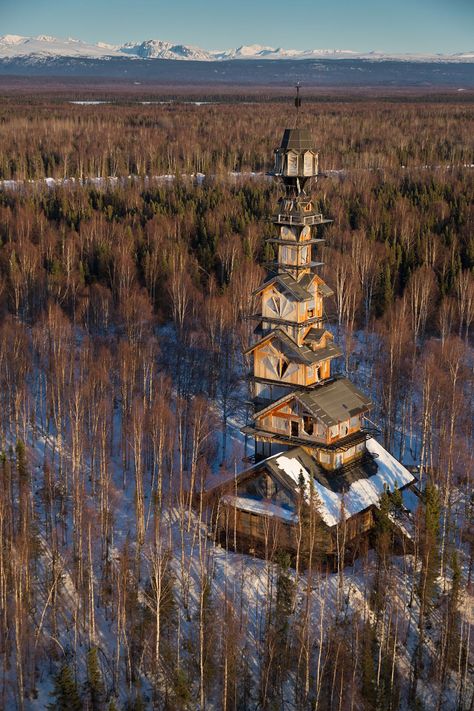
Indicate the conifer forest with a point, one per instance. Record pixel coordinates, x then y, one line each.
132 242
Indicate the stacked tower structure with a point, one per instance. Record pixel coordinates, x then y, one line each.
308 424
296 400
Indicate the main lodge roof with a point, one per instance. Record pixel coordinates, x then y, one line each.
346 492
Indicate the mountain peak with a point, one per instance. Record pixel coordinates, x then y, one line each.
43 46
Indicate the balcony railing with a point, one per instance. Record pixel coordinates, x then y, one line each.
299 219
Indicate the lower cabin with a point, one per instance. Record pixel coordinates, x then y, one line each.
275 503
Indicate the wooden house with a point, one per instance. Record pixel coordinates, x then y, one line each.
312 448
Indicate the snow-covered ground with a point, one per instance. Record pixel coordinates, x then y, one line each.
243 578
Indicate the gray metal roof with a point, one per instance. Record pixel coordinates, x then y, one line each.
288 283
298 354
316 334
325 290
335 402
297 139
331 402
294 287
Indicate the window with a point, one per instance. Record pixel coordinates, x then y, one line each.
308 425
270 487
274 303
279 423
295 429
282 367
308 163
324 458
292 164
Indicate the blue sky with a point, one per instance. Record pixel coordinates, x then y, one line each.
391 25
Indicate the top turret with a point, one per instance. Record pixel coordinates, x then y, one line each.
296 160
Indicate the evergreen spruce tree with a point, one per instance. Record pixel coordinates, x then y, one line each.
21 461
278 645
137 703
65 692
94 683
430 546
430 559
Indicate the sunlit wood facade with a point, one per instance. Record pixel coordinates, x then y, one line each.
307 424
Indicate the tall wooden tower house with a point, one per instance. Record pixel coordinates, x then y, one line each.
308 425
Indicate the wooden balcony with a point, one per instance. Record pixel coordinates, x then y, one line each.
299 219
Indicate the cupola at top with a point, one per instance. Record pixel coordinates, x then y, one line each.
296 157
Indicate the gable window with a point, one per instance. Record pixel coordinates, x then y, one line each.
274 303
308 425
295 429
282 367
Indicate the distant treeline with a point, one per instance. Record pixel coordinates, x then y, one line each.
52 139
390 230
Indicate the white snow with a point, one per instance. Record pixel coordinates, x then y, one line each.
259 507
361 494
42 46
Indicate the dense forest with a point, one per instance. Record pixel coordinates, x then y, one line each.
125 306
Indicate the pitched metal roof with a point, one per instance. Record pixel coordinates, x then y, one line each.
317 333
346 491
289 284
325 290
335 402
307 279
333 481
331 402
297 354
297 139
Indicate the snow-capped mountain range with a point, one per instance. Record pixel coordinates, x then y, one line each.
43 47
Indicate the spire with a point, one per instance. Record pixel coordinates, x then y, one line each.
297 103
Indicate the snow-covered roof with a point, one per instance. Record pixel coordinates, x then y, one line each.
360 495
263 508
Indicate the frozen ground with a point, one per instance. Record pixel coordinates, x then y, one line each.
243 578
